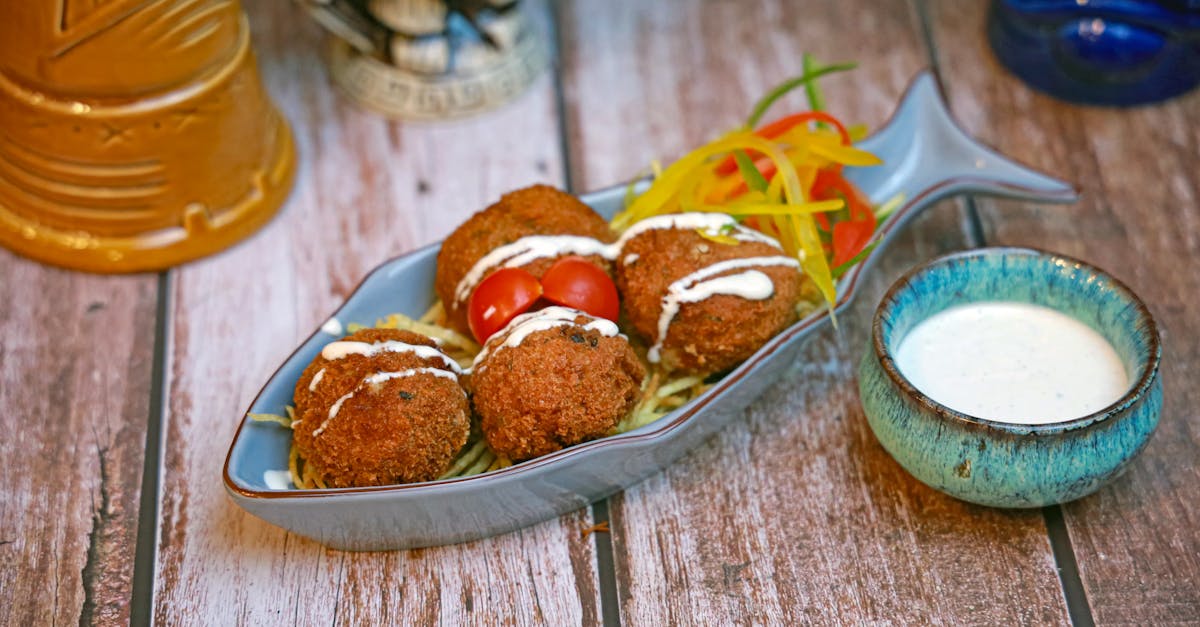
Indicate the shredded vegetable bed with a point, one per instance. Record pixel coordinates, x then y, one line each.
660 396
783 178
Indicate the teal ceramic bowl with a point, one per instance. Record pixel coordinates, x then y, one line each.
1001 464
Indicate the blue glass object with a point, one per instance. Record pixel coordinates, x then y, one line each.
1114 52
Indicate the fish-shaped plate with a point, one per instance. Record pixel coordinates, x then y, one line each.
926 157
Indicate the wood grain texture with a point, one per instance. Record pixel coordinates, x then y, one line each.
795 514
368 190
1136 541
75 362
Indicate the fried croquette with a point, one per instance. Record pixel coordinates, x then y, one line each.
539 210
551 379
381 406
717 299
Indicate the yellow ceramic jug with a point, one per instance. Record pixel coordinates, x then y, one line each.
134 134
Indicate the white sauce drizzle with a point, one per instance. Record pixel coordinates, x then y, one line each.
277 479
526 250
338 350
526 324
1012 362
333 326
697 286
630 258
312 385
710 223
534 247
377 378
751 285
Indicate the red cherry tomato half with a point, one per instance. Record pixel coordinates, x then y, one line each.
578 283
502 296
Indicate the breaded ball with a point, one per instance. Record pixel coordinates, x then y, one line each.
381 406
717 331
536 210
552 379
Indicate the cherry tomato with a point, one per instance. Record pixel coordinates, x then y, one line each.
578 283
502 296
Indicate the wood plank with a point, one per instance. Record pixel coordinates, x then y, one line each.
1135 541
75 360
368 190
795 514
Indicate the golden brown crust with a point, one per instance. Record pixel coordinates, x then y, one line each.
397 431
341 375
717 333
535 210
559 387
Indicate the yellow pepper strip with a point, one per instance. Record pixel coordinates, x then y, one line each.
845 155
719 189
814 264
695 189
807 174
787 236
827 146
750 198
806 208
889 206
669 184
782 210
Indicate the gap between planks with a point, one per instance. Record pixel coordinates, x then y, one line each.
146 556
1078 608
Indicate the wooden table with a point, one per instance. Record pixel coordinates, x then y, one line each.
123 393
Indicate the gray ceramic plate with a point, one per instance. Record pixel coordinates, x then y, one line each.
927 157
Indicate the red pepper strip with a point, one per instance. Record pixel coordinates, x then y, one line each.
823 189
849 236
784 124
781 126
828 184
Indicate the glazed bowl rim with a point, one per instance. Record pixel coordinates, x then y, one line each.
1147 370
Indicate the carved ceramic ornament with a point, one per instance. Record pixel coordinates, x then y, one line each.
134 134
431 59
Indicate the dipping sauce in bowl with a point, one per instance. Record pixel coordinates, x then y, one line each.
1012 362
1012 377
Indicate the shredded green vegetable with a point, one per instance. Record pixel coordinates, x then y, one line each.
276 418
754 179
815 101
783 88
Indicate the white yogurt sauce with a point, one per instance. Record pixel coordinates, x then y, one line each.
698 286
710 223
526 250
527 324
695 287
316 380
277 479
332 326
341 349
533 247
1012 362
